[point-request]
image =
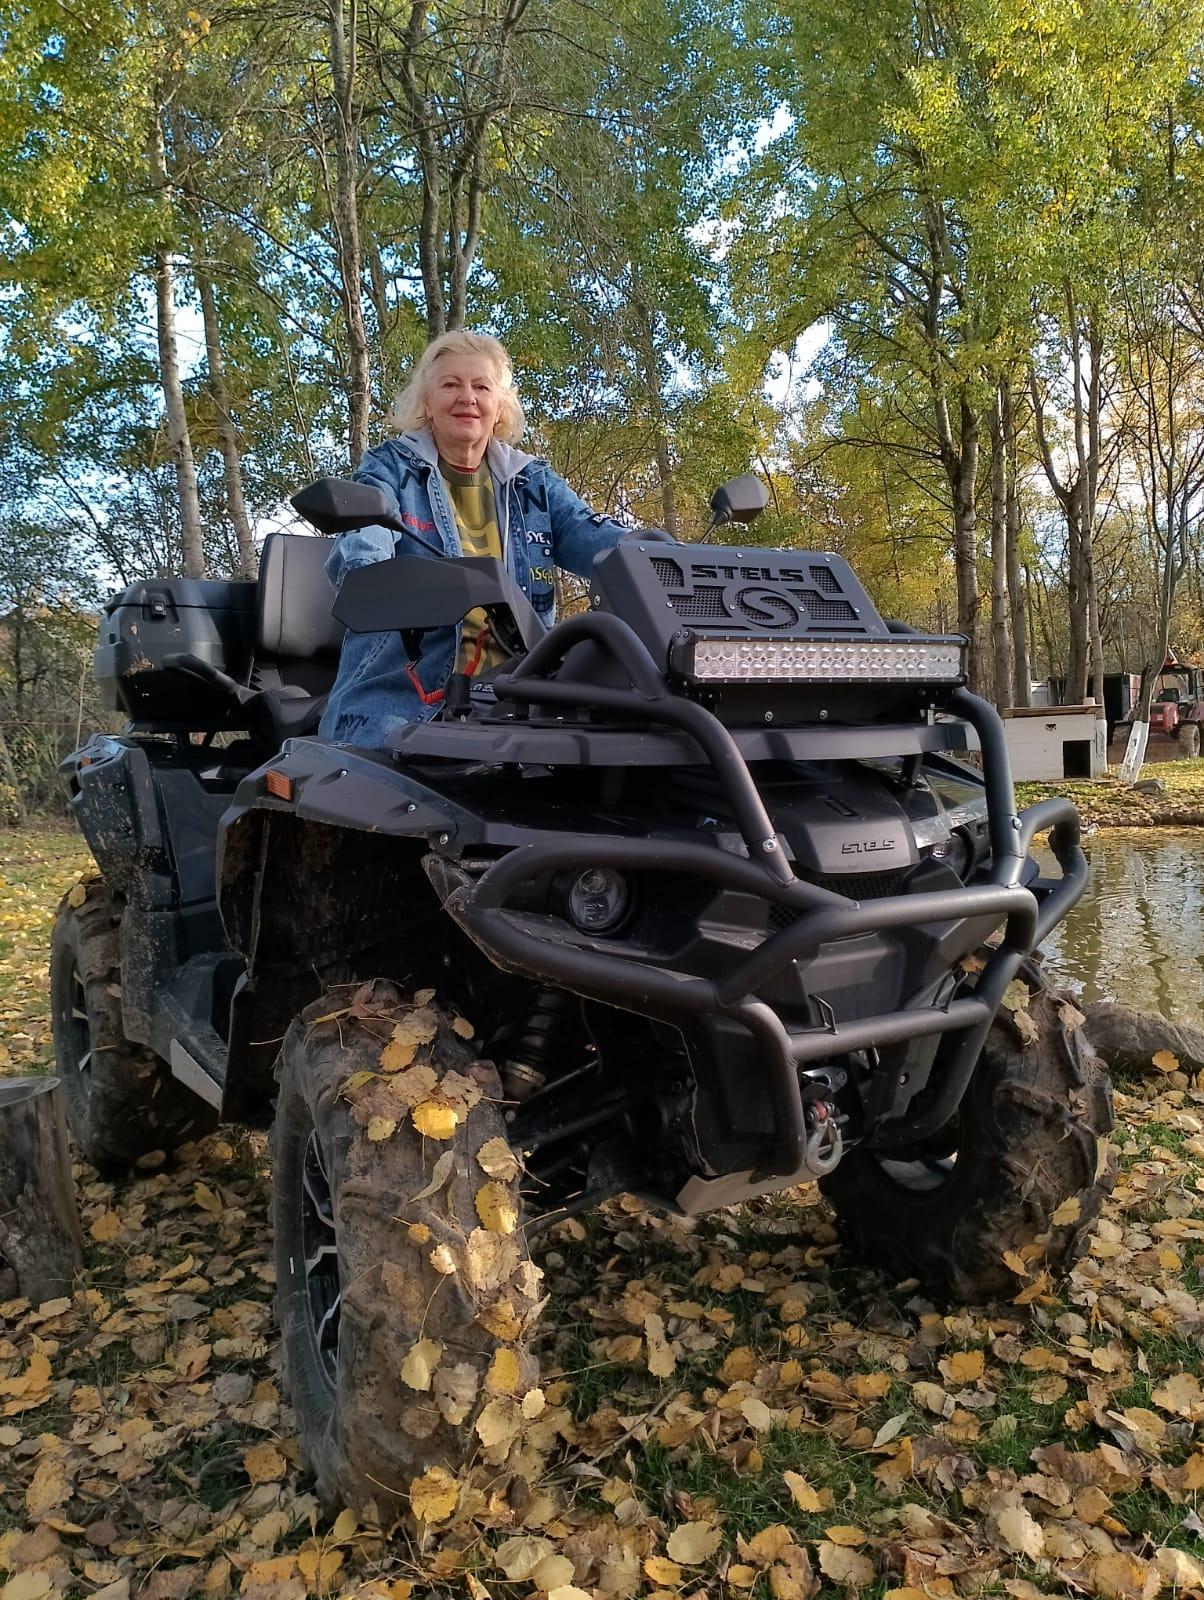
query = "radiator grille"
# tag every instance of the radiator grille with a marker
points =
(704, 605)
(821, 609)
(853, 885)
(824, 578)
(669, 573)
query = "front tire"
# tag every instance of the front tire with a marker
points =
(397, 1280)
(1190, 740)
(1030, 1136)
(121, 1100)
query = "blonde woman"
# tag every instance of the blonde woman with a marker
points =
(458, 481)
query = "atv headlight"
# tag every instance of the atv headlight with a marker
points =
(598, 900)
(902, 659)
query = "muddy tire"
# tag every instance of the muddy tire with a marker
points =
(121, 1100)
(1030, 1136)
(1190, 740)
(368, 1264)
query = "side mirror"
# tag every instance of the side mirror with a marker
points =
(336, 505)
(740, 500)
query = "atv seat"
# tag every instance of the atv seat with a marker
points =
(298, 639)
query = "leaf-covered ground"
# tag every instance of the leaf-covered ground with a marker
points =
(727, 1408)
(1106, 802)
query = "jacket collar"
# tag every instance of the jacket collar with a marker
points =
(505, 462)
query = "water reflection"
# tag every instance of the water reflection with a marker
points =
(1137, 934)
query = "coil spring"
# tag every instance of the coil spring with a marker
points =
(530, 1061)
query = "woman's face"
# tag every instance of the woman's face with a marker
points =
(463, 401)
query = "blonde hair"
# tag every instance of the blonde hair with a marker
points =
(409, 411)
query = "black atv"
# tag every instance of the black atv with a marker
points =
(694, 901)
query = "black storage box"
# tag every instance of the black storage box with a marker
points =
(214, 620)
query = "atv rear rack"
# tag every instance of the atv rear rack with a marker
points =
(522, 943)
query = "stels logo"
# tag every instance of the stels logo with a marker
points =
(762, 606)
(758, 574)
(865, 847)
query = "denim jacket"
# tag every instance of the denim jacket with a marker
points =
(542, 524)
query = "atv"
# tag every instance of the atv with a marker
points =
(699, 900)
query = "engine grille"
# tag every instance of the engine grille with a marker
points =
(824, 578)
(853, 885)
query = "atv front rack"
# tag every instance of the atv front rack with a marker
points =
(522, 943)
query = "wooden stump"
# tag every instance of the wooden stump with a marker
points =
(41, 1243)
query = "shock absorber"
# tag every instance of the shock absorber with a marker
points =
(530, 1061)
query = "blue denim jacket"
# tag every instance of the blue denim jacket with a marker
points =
(542, 523)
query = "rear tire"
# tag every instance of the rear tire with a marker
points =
(121, 1100)
(1190, 740)
(357, 1274)
(1030, 1135)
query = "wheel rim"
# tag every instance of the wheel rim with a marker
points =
(77, 1031)
(926, 1175)
(323, 1291)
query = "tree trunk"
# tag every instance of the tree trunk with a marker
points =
(1001, 663)
(236, 506)
(41, 1244)
(192, 547)
(1017, 595)
(656, 404)
(964, 487)
(343, 48)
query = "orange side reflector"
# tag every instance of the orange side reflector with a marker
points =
(278, 783)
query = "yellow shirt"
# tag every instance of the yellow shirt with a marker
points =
(471, 495)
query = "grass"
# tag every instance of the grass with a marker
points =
(1106, 802)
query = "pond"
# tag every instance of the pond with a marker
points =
(1138, 933)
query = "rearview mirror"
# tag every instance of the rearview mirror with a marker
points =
(336, 505)
(739, 500)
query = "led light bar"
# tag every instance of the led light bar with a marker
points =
(900, 659)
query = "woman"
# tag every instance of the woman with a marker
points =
(456, 479)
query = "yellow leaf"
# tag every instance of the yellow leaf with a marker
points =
(443, 1260)
(1069, 1211)
(345, 1524)
(499, 1423)
(462, 1028)
(1181, 1395)
(398, 1052)
(501, 1320)
(963, 1366)
(661, 1570)
(1020, 1532)
(418, 1233)
(77, 896)
(380, 1128)
(204, 1197)
(495, 1207)
(28, 1585)
(357, 1080)
(801, 1492)
(740, 1576)
(569, 1591)
(846, 1535)
(503, 1374)
(1165, 1061)
(845, 1566)
(106, 1227)
(693, 1542)
(553, 1572)
(661, 1356)
(433, 1496)
(1193, 1471)
(420, 1363)
(263, 1463)
(519, 1557)
(435, 1119)
(497, 1160)
(768, 1544)
(756, 1413)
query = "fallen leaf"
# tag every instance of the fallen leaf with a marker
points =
(263, 1463)
(691, 1543)
(801, 1492)
(380, 1128)
(496, 1208)
(435, 1119)
(1020, 1532)
(661, 1570)
(519, 1557)
(963, 1366)
(845, 1566)
(497, 1160)
(1165, 1061)
(420, 1363)
(433, 1496)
